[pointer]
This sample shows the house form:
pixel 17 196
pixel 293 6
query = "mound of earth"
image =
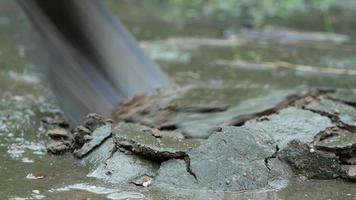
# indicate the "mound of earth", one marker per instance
pixel 259 144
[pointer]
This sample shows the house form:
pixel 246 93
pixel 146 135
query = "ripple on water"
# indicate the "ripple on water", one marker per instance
pixel 125 195
pixel 16 150
pixel 110 193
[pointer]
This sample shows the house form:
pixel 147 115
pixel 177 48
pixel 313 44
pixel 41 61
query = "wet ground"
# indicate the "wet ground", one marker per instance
pixel 213 70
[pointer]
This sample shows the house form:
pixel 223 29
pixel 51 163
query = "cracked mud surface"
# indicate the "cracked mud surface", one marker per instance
pixel 309 134
pixel 231 160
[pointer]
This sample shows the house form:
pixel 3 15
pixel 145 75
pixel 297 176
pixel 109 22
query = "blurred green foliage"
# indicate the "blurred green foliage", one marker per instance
pixel 256 11
pixel 317 15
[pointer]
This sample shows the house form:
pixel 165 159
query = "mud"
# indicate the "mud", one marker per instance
pixel 306 134
pixel 123 168
pixel 162 112
pixel 343 112
pixel 202 125
pixel 290 124
pixel 335 140
pixel 94 121
pixel 311 163
pixel 139 140
pixel 230 160
pixel 61 140
pixel 99 135
pixel 344 95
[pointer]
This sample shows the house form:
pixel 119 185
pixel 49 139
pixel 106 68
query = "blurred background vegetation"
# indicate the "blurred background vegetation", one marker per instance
pixel 320 15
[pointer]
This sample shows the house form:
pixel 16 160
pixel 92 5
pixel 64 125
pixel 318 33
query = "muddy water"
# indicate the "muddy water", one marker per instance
pixel 25 99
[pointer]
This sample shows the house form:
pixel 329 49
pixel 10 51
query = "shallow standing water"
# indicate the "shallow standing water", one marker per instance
pixel 25 100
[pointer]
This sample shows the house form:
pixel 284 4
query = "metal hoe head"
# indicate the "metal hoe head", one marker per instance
pixel 93 62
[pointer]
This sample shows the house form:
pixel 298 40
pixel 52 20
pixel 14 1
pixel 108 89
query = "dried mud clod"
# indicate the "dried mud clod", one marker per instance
pixel 98 137
pixel 332 152
pixel 59 147
pixel 68 140
pixel 61 140
pixel 54 122
pixel 311 163
pixel 297 100
pixel 139 140
pixel 81 135
pixel 158 111
pixel 93 121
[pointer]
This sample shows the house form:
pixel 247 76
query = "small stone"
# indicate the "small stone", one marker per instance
pixel 349 171
pixel 87 138
pixel 78 140
pixel 218 129
pixel 153 131
pixel 160 134
pixel 83 130
pixel 79 135
pixel 58 134
pixel 36 176
pixel 144 181
pixel 27 160
pixel 110 121
pixel 302 178
pixel 351 161
pixel 50 122
pixel 93 121
pixel 147 183
pixel 58 147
